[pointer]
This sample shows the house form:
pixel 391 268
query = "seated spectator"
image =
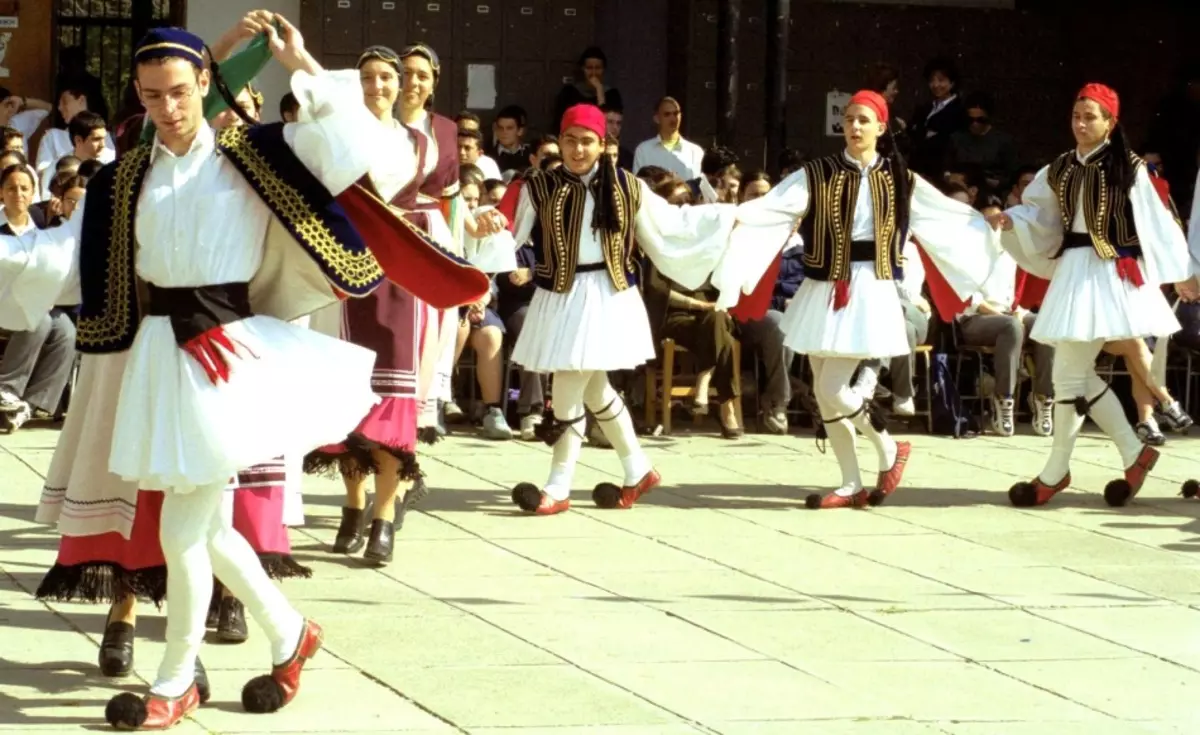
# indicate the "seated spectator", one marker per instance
pixel 614 117
pixel 57 143
pixel 67 165
pixel 764 335
pixel 88 169
pixel 12 139
pixel 494 190
pixel 969 178
pixel 515 291
pixel 249 101
pixel 551 161
pixel 508 132
pixel 790 161
pixel 470 151
pixel 589 86
pixel 289 107
pixel 754 184
pixel 1153 401
pixel 36 364
pixel 690 319
pixel 547 146
pixel 654 175
pixel 482 329
pixel 957 192
pixel 66 191
pixel 89 134
pixel 1024 177
pixel 993 320
pixel 719 171
pixel 916 326
pixel 993 152
pixel 469 172
pixel 23 115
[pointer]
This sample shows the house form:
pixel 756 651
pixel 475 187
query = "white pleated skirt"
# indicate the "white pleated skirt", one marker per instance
pixel 870 325
pixel 591 327
pixel 1087 301
pixel 290 391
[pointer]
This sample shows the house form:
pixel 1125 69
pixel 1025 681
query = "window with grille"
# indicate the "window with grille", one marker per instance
pixel 97 37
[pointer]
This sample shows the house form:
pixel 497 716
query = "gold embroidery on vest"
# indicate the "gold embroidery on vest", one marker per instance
pixel 1102 205
pixel 354 269
pixel 119 316
pixel 833 198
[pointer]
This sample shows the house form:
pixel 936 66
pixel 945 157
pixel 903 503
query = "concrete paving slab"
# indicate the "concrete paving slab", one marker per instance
pixel 891 726
pixel 999 635
pixel 1038 586
pixel 1133 688
pixel 1168 632
pixel 719 590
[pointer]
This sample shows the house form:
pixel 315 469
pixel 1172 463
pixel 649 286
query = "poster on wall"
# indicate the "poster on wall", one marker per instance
pixel 5 38
pixel 835 109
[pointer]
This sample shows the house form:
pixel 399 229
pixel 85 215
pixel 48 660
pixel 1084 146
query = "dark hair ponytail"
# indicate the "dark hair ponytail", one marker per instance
pixel 606 215
pixel 899 169
pixel 1119 166
pixel 224 91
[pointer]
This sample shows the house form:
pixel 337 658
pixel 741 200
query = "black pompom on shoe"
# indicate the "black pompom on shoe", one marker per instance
pixel 1022 495
pixel 1190 489
pixel 1117 493
pixel 262 695
pixel 126 711
pixel 606 495
pixel 202 686
pixel 527 496
pixel 876 498
pixel 813 502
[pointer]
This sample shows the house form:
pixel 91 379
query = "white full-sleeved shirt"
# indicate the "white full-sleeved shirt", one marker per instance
pixel 957 238
pixel 681 158
pixel 684 243
pixel 1038 229
pixel 1194 230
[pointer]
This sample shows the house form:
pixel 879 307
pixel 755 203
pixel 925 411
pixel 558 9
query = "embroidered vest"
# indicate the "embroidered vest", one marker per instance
pixel 833 184
pixel 1107 211
pixel 112 298
pixel 558 197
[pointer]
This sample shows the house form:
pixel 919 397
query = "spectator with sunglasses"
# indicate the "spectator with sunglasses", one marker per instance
pixel 992 151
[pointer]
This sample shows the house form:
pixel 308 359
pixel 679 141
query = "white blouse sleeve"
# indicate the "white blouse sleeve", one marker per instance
pixel 764 227
pixel 958 239
pixel 914 273
pixel 1037 232
pixel 684 243
pixel 39 271
pixel 525 218
pixel 495 253
pixel 334 135
pixel 1164 247
pixel 1194 230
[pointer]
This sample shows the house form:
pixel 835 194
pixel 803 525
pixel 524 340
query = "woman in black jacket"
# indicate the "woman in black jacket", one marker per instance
pixel 935 121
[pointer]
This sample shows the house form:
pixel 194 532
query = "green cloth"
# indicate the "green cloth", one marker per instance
pixel 237 71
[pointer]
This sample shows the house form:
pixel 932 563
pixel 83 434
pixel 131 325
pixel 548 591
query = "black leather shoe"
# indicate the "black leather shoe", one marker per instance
pixel 231 625
pixel 214 608
pixel 116 650
pixel 415 494
pixel 379 547
pixel 349 536
pixel 202 682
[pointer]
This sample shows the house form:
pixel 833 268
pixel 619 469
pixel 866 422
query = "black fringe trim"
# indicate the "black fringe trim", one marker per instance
pixel 428 435
pixel 106 582
pixel 357 460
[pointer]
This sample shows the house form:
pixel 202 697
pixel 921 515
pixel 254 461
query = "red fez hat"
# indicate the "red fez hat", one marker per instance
pixel 585 116
pixel 874 100
pixel 1102 95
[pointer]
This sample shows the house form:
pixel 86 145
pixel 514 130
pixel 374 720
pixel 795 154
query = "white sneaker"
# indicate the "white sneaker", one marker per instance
pixel 529 426
pixel 495 426
pixel 904 407
pixel 18 418
pixel 1043 414
pixel 1002 416
pixel 775 421
pixel 451 412
pixel 10 402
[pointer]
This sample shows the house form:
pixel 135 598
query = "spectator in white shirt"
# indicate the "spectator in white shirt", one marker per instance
pixel 669 149
pixel 58 143
pixel 470 151
pixel 22 114
pixel 11 139
pixel 89 136
pixel 994 320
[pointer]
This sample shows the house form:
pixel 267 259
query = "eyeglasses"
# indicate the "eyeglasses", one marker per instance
pixel 158 99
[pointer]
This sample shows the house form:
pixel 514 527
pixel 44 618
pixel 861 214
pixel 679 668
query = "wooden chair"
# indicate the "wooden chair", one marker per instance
pixel 924 353
pixel 670 391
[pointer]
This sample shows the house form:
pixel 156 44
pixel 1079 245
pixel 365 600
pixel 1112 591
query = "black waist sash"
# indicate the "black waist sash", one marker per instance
pixel 195 310
pixel 1084 240
pixel 591 267
pixel 862 251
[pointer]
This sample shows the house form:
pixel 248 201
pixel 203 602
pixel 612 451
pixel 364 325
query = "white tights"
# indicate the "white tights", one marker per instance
pixel 837 400
pixel 1075 377
pixel 199 541
pixel 570 392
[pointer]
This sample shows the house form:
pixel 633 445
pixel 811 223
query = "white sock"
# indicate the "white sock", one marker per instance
pixel 1067 425
pixel 284 647
pixel 562 466
pixel 841 438
pixel 885 445
pixel 614 420
pixel 868 380
pixel 1110 417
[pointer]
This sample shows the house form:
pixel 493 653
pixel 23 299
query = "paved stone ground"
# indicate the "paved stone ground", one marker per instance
pixel 719 606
